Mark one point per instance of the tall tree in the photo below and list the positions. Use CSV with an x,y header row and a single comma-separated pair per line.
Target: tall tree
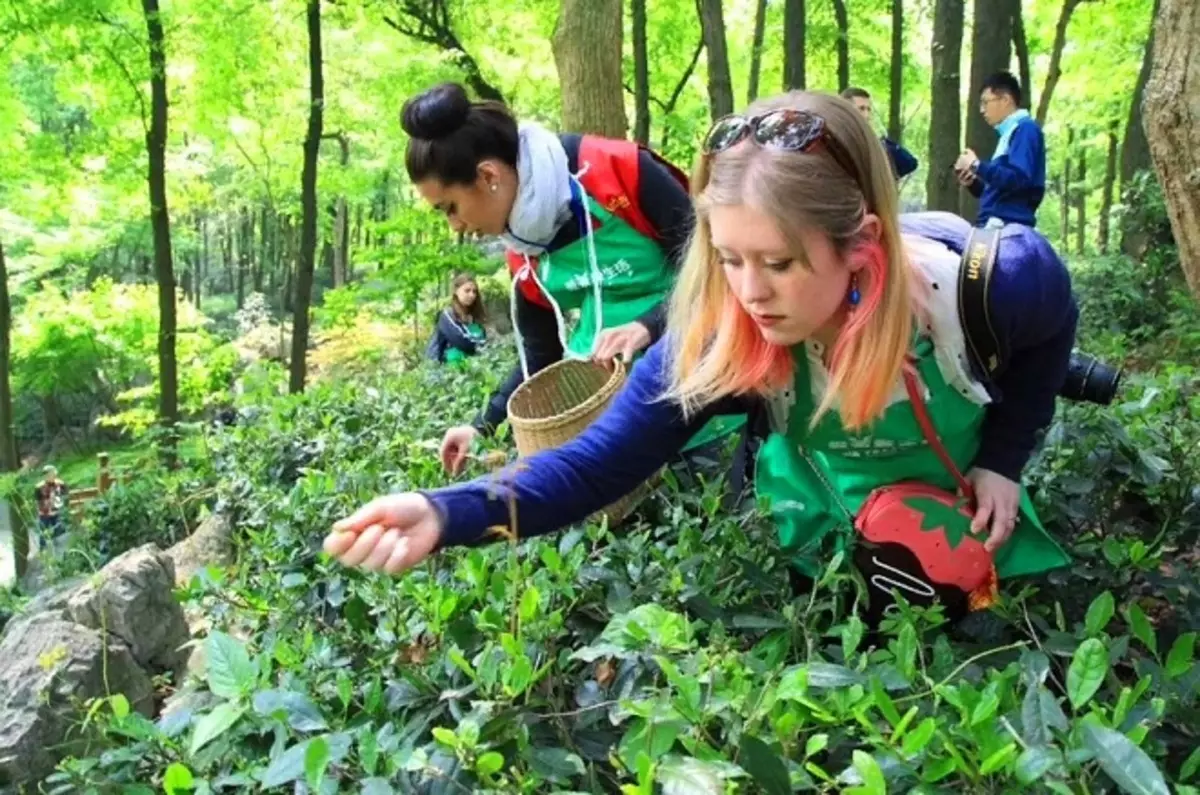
x,y
587,52
897,72
843,44
1021,47
9,460
794,33
945,113
1056,53
160,224
341,236
641,75
1135,149
1081,193
308,201
1173,126
991,51
756,50
720,84
1110,180
429,21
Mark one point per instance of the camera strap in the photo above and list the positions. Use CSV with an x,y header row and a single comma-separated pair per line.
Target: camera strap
x,y
984,347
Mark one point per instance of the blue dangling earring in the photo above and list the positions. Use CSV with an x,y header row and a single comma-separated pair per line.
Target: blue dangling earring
x,y
855,296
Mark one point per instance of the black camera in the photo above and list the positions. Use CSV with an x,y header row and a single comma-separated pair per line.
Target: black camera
x,y
1089,379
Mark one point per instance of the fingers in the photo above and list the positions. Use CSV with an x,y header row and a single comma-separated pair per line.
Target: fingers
x,y
371,513
983,512
458,459
336,543
607,346
1002,529
363,546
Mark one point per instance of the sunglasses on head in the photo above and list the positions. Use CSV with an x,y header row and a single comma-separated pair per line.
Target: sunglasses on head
x,y
787,130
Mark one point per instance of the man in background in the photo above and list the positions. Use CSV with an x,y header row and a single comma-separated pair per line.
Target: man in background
x,y
1011,185
51,495
903,161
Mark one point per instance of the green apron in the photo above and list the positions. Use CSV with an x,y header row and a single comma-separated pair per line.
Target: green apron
x,y
892,450
475,333
635,277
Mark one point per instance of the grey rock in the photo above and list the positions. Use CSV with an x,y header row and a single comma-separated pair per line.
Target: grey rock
x,y
209,545
133,598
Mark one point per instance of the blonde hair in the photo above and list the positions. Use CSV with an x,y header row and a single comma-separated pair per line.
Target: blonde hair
x,y
718,350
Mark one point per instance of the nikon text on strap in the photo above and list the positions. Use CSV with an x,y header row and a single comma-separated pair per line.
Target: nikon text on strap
x,y
984,346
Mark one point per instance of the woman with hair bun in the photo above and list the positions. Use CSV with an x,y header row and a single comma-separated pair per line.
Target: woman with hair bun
x,y
589,223
807,300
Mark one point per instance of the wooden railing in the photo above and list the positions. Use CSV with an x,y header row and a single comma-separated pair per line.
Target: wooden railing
x,y
105,479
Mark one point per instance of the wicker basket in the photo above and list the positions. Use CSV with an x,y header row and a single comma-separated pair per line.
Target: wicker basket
x,y
556,404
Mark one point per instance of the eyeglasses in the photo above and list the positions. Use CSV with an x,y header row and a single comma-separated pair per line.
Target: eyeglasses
x,y
786,129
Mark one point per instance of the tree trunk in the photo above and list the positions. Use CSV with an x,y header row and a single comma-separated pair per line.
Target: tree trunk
x,y
9,460
1081,193
202,230
245,246
1110,180
720,84
1135,149
160,222
1021,47
756,49
897,73
794,32
945,113
587,53
843,44
991,51
1065,210
641,75
264,248
1056,53
1173,126
308,202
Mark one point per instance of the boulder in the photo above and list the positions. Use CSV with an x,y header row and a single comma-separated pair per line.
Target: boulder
x,y
133,598
210,544
50,667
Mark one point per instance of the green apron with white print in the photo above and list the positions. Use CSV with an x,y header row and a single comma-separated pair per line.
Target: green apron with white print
x,y
891,450
634,277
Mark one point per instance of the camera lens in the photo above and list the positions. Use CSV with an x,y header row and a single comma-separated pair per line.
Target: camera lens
x,y
1089,379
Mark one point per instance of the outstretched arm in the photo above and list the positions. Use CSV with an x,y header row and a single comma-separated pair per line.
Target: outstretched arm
x,y
637,435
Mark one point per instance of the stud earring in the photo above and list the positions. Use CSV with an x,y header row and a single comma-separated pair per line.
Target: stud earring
x,y
855,296
493,187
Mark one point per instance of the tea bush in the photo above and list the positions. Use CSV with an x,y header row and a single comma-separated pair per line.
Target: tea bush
x,y
669,655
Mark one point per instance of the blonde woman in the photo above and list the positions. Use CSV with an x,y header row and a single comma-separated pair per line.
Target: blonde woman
x,y
807,299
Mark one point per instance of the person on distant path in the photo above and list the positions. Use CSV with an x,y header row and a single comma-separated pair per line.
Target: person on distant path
x,y
1011,185
459,332
904,162
590,223
51,498
808,300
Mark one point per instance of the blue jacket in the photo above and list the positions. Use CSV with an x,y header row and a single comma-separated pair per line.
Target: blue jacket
x,y
1011,185
903,161
1031,305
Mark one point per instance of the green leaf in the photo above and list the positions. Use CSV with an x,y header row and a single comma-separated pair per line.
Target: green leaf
x,y
873,782
1190,765
376,786
301,713
229,669
1035,762
1179,659
316,759
211,726
989,704
688,776
1088,668
852,635
445,736
556,764
1040,713
292,763
1099,613
757,759
815,744
1125,763
916,740
998,759
489,764
906,650
119,705
177,779
1140,626
825,675
529,604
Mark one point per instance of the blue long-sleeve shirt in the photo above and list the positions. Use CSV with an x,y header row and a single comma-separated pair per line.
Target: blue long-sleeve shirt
x,y
904,162
1031,306
1011,186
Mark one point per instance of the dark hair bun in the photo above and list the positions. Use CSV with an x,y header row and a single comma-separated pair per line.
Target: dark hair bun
x,y
436,112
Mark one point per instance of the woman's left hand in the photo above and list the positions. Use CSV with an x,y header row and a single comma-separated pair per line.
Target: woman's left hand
x,y
624,341
997,506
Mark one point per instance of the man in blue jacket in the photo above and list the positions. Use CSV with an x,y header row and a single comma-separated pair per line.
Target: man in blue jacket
x,y
903,161
1010,186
